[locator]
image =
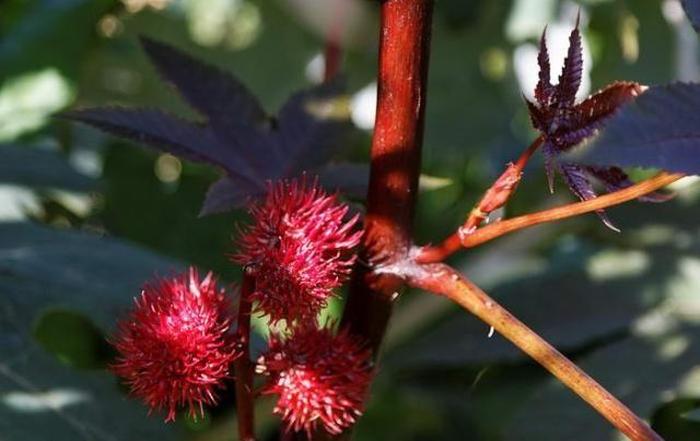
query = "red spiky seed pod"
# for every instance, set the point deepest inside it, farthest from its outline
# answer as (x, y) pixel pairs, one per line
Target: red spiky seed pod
(320, 378)
(175, 346)
(300, 248)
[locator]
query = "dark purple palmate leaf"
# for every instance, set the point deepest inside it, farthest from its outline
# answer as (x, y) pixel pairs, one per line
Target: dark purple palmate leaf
(614, 179)
(236, 134)
(167, 133)
(660, 129)
(228, 192)
(352, 178)
(225, 101)
(564, 124)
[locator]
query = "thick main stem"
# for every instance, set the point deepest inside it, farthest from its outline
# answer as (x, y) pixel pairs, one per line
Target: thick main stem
(243, 367)
(442, 279)
(395, 164)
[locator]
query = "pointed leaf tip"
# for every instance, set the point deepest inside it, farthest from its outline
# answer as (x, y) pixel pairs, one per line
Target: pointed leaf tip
(544, 88)
(214, 93)
(607, 222)
(578, 180)
(550, 164)
(156, 129)
(570, 77)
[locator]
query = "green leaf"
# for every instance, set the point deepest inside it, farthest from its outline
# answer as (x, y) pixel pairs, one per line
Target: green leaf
(24, 46)
(38, 168)
(73, 338)
(42, 268)
(692, 415)
(27, 100)
(41, 399)
(656, 364)
(45, 271)
(37, 76)
(642, 372)
(678, 419)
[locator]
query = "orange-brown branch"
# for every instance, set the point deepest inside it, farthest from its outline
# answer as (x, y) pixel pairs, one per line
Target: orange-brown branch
(498, 229)
(470, 238)
(442, 279)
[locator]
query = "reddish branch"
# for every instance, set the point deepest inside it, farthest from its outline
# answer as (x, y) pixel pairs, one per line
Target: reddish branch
(494, 198)
(553, 214)
(441, 279)
(243, 367)
(332, 56)
(333, 53)
(395, 164)
(471, 238)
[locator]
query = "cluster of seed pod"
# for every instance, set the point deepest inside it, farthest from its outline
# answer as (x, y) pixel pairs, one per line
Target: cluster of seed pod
(177, 345)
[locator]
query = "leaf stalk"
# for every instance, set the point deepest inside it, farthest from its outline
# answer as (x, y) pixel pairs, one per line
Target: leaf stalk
(442, 279)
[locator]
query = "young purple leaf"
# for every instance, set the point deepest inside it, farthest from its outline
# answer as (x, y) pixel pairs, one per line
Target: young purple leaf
(564, 124)
(659, 129)
(537, 117)
(352, 178)
(605, 102)
(550, 164)
(579, 182)
(570, 77)
(614, 179)
(311, 127)
(544, 89)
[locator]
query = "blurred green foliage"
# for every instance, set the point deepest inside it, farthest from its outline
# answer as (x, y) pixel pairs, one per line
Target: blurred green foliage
(85, 218)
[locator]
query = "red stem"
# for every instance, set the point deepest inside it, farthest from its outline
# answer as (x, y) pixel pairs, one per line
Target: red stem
(332, 53)
(395, 164)
(442, 279)
(243, 367)
(332, 57)
(527, 154)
